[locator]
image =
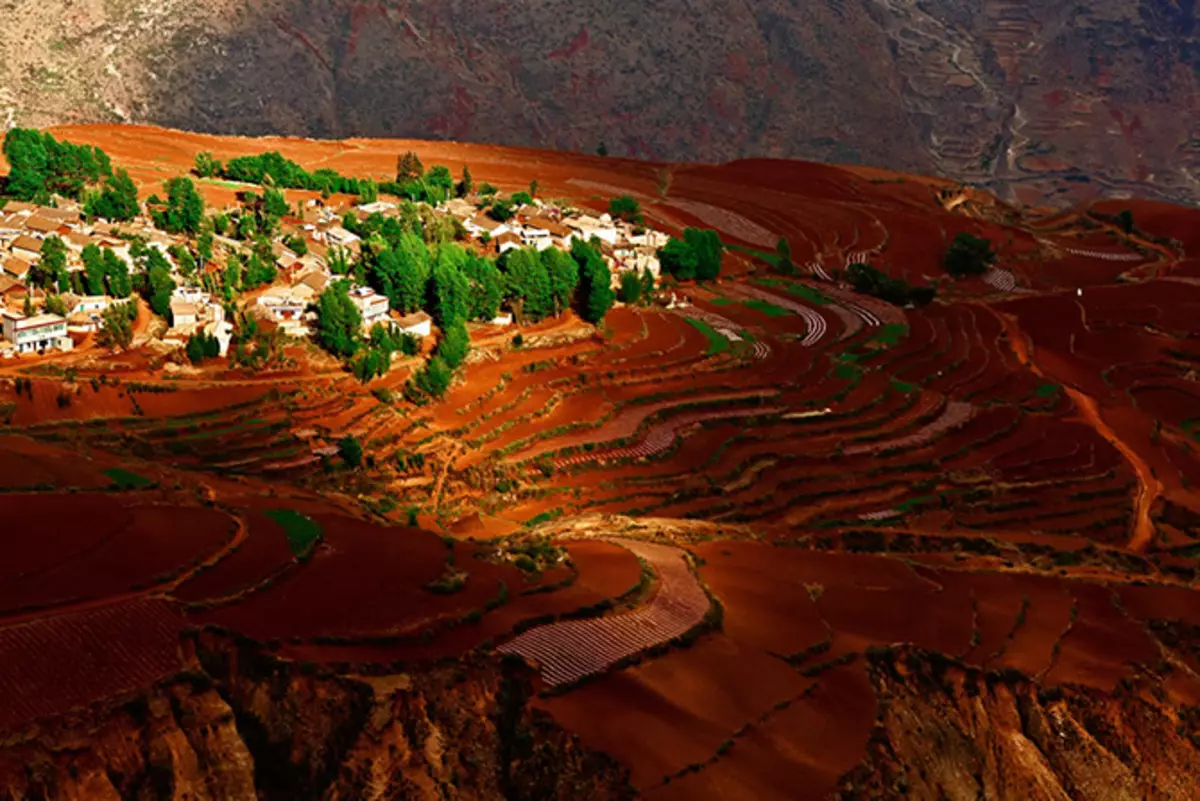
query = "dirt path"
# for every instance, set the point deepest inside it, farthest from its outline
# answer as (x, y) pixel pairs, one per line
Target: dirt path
(1149, 487)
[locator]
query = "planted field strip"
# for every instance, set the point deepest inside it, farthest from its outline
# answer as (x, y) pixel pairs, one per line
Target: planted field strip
(661, 437)
(627, 422)
(1099, 254)
(1000, 279)
(54, 664)
(858, 257)
(955, 414)
(815, 322)
(567, 652)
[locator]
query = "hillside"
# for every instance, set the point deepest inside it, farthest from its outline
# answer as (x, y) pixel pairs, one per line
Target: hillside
(1051, 100)
(765, 537)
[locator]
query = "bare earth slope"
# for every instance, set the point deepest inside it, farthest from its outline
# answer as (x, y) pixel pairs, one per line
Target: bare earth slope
(1020, 96)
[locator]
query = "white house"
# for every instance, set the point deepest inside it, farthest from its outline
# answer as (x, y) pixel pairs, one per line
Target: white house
(282, 304)
(481, 224)
(418, 324)
(192, 306)
(585, 227)
(35, 333)
(338, 236)
(372, 306)
(504, 318)
(27, 248)
(508, 241)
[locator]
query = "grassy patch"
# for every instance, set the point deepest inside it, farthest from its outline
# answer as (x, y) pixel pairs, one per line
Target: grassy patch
(903, 386)
(123, 479)
(1047, 390)
(544, 517)
(763, 255)
(723, 301)
(847, 371)
(220, 432)
(769, 309)
(1192, 428)
(716, 342)
(891, 334)
(799, 290)
(301, 530)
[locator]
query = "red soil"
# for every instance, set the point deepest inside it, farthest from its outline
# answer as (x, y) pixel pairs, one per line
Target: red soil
(264, 552)
(135, 546)
(660, 716)
(53, 664)
(1103, 645)
(799, 752)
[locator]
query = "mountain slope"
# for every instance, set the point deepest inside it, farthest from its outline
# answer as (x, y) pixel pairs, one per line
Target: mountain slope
(991, 91)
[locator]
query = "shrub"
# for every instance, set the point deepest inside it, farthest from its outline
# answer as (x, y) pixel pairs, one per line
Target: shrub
(968, 255)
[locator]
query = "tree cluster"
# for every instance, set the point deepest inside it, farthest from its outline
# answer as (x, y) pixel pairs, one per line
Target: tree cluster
(116, 324)
(697, 256)
(626, 208)
(184, 208)
(968, 255)
(201, 346)
(868, 280)
(105, 273)
(41, 166)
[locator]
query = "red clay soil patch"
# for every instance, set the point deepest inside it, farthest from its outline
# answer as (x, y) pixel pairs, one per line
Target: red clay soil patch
(940, 621)
(151, 545)
(1161, 603)
(798, 753)
(1103, 643)
(56, 663)
(763, 605)
(1031, 647)
(42, 531)
(27, 463)
(365, 580)
(664, 714)
(264, 552)
(997, 601)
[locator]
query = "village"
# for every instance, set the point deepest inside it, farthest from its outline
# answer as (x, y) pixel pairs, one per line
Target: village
(307, 246)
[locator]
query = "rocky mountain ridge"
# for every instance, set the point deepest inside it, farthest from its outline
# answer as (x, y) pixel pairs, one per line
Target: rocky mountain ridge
(1032, 100)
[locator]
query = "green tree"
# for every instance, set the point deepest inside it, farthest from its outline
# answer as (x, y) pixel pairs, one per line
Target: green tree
(206, 166)
(116, 324)
(1125, 220)
(351, 451)
(118, 201)
(626, 208)
(56, 305)
(94, 270)
(484, 288)
(195, 348)
(339, 322)
(368, 192)
(631, 288)
(448, 289)
(51, 269)
(528, 284)
(968, 255)
(159, 286)
(410, 344)
(185, 208)
(116, 275)
(595, 282)
(408, 168)
(431, 381)
(533, 188)
(467, 185)
(709, 250)
(28, 164)
(501, 211)
(455, 345)
(27, 307)
(647, 291)
(274, 204)
(522, 199)
(678, 259)
(563, 274)
(602, 150)
(441, 177)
